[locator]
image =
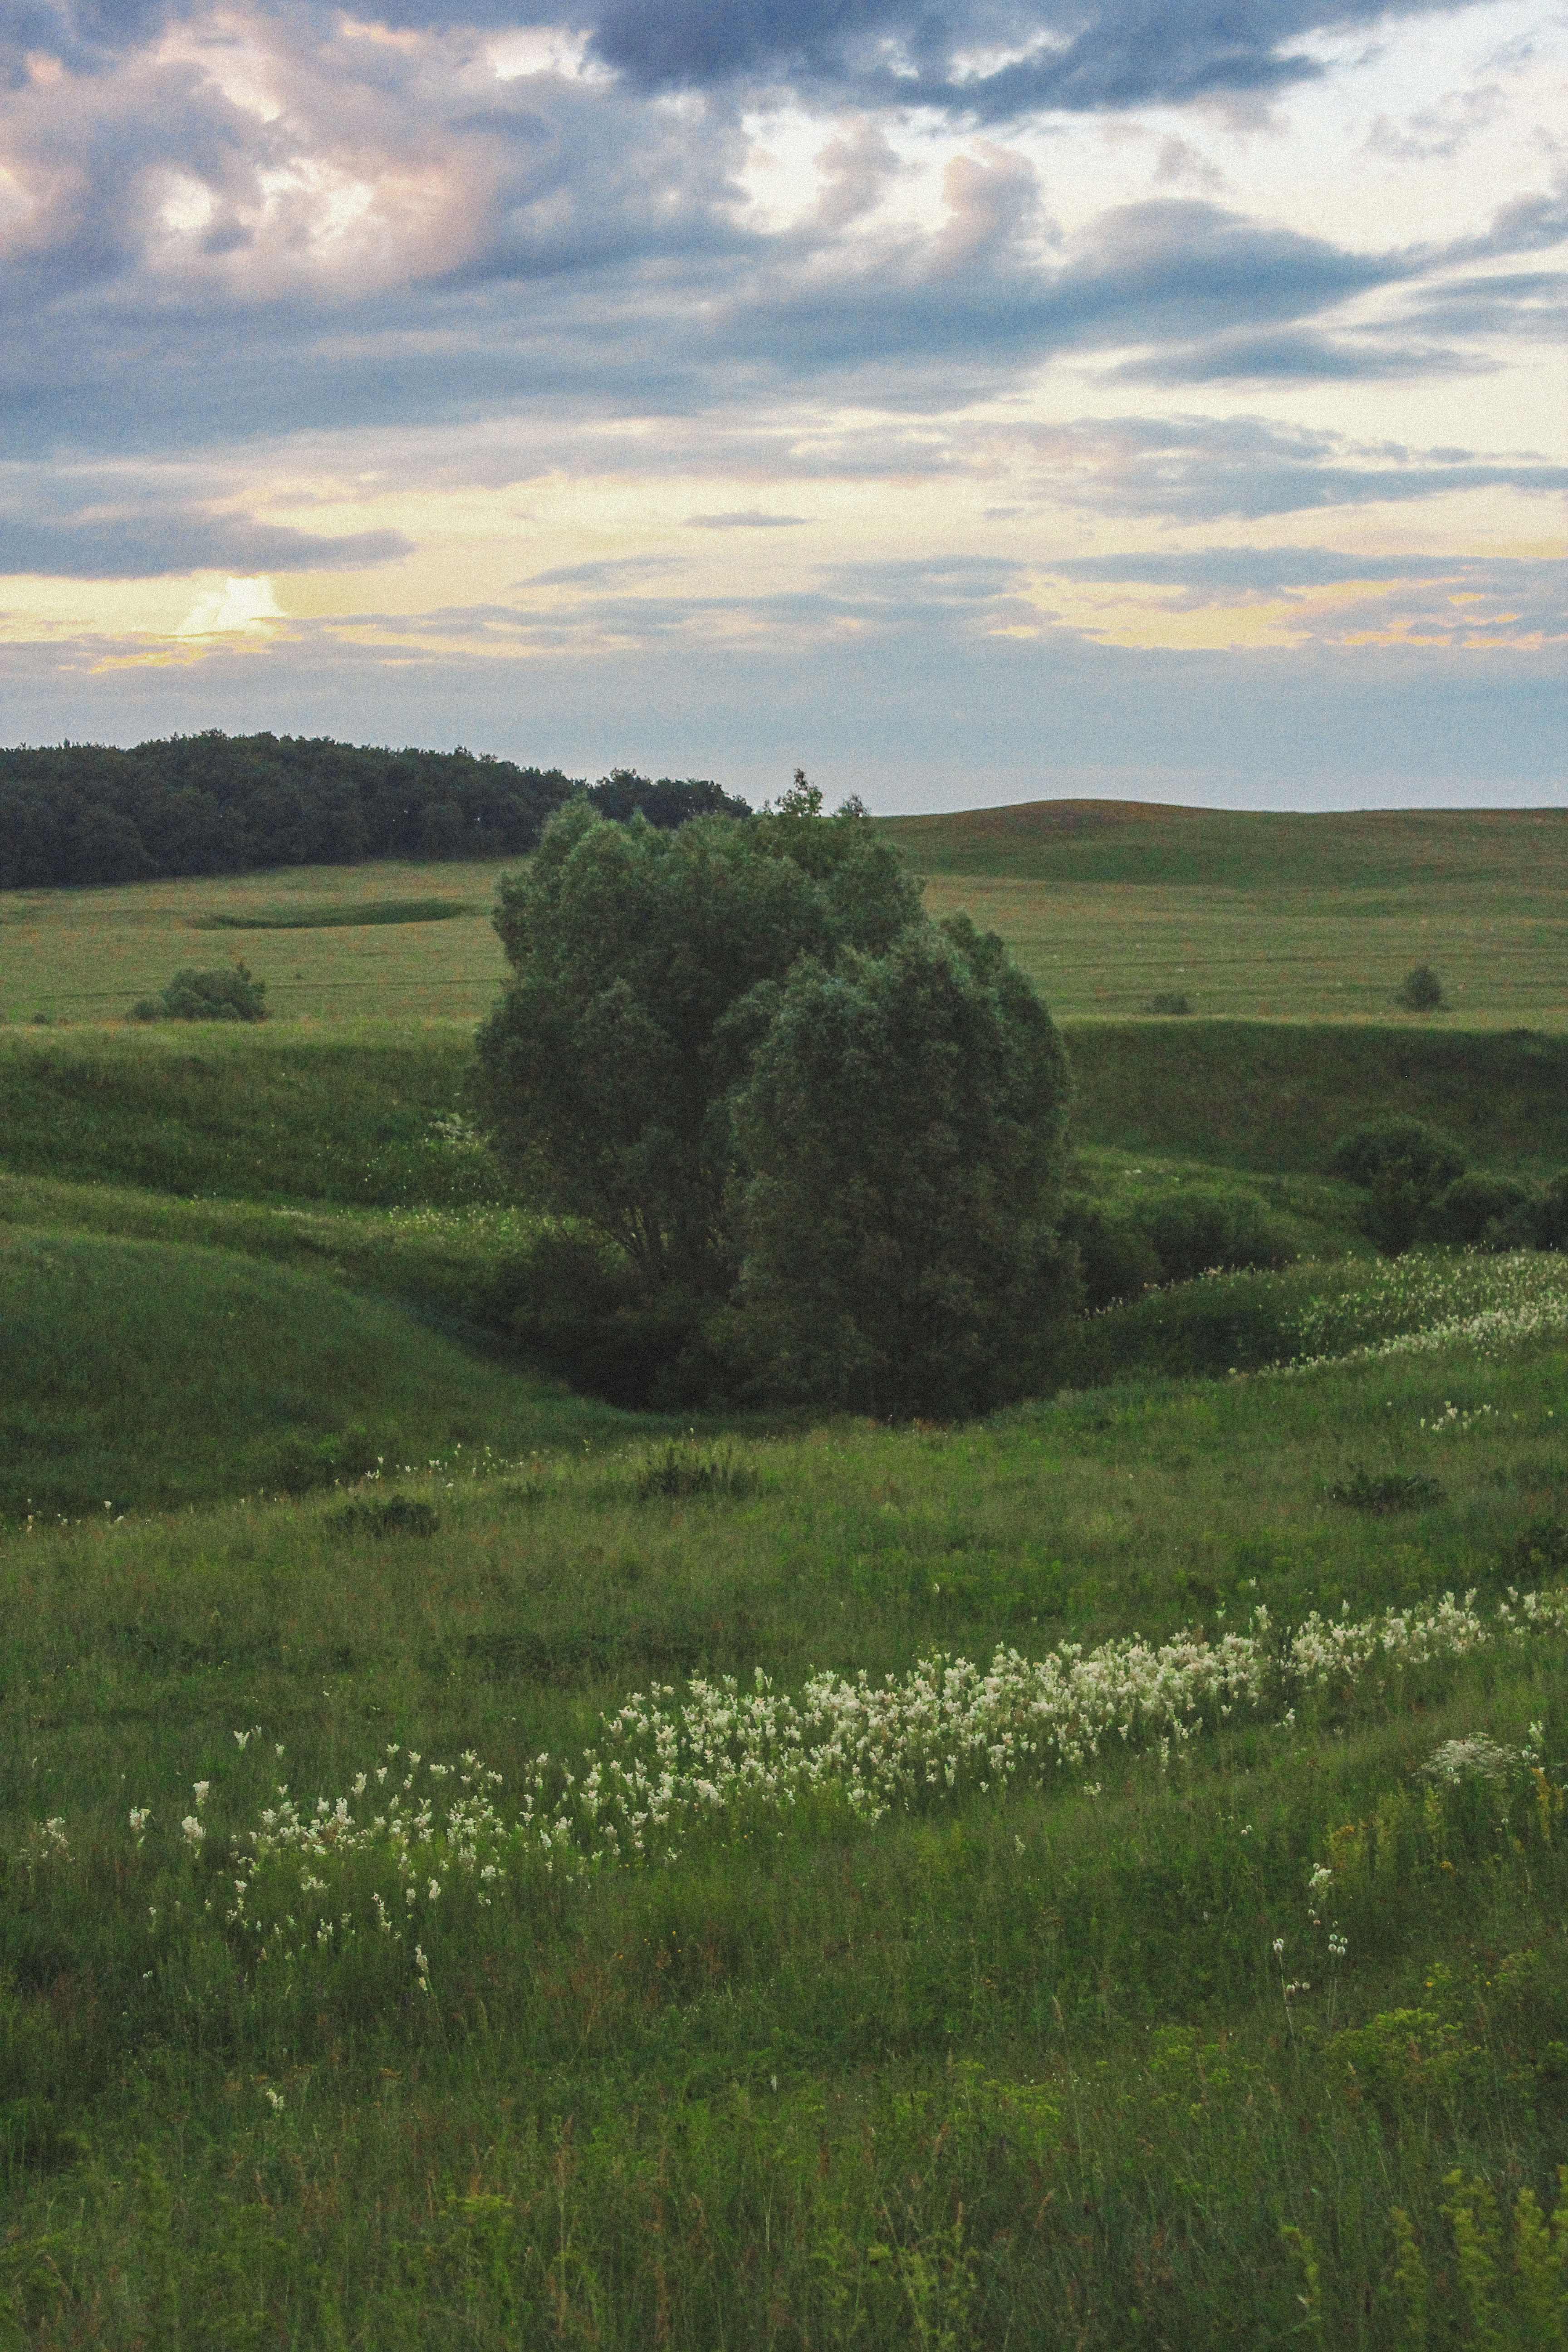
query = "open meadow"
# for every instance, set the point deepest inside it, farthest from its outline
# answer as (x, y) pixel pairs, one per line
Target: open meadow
(484, 1868)
(1104, 904)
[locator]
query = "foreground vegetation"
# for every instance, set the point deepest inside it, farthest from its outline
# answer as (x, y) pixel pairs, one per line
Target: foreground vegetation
(1176, 2040)
(482, 1868)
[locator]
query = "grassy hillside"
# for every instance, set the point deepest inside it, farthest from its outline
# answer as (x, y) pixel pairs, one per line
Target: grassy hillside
(362, 1114)
(960, 2030)
(363, 1117)
(1376, 852)
(1253, 1095)
(87, 955)
(1104, 904)
(1262, 916)
(144, 1374)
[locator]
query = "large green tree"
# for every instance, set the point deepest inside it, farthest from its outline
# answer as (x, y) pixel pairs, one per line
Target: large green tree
(640, 960)
(822, 1138)
(901, 1147)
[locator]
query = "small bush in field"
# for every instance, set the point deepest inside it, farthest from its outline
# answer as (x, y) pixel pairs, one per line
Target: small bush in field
(230, 995)
(1481, 1212)
(685, 1470)
(1194, 1233)
(1420, 990)
(1169, 1000)
(1397, 1490)
(1405, 1165)
(379, 1516)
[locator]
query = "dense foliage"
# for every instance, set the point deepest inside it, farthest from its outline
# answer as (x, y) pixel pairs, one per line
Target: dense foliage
(230, 993)
(216, 803)
(902, 1138)
(1420, 1188)
(726, 1046)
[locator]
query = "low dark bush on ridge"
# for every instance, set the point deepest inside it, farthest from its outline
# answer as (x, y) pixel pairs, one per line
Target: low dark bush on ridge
(229, 994)
(1420, 990)
(1481, 1212)
(1126, 1251)
(1421, 1189)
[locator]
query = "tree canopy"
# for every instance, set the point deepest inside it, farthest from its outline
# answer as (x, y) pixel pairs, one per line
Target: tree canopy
(821, 1138)
(216, 804)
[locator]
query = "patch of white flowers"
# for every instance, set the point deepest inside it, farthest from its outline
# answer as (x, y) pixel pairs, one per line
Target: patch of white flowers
(1419, 1305)
(668, 1761)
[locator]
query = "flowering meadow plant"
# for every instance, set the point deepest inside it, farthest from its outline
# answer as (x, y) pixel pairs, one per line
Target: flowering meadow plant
(411, 1836)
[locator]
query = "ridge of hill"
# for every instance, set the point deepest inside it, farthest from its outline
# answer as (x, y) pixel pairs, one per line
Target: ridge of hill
(1088, 841)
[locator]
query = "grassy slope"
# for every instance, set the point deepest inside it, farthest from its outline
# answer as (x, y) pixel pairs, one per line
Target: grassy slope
(1104, 904)
(1003, 2070)
(147, 1374)
(1373, 852)
(290, 1114)
(995, 2061)
(1276, 918)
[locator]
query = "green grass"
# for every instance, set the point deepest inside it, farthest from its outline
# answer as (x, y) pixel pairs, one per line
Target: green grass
(331, 943)
(1276, 1097)
(1394, 853)
(992, 2067)
(1107, 904)
(368, 1116)
(363, 1114)
(141, 1374)
(1016, 2063)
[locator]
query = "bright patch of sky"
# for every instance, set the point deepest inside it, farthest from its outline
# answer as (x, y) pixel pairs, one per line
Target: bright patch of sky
(850, 382)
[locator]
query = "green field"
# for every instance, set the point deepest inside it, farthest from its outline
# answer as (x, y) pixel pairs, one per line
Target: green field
(478, 1869)
(1106, 905)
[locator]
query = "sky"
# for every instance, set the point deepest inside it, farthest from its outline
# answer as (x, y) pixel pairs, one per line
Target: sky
(969, 401)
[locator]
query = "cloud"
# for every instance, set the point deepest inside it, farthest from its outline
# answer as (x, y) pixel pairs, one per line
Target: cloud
(1210, 469)
(746, 518)
(1299, 355)
(113, 541)
(239, 608)
(988, 61)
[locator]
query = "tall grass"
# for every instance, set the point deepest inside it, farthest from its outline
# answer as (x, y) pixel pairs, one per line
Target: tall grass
(1217, 2043)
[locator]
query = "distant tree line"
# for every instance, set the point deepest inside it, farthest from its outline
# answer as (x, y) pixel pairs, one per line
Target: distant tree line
(216, 804)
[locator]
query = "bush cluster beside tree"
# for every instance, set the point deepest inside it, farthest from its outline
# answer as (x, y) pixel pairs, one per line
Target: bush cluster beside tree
(1420, 1187)
(800, 1141)
(227, 994)
(215, 804)
(1147, 1245)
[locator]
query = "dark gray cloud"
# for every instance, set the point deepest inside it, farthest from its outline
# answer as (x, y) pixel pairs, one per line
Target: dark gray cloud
(1064, 55)
(1299, 355)
(987, 60)
(1200, 469)
(146, 542)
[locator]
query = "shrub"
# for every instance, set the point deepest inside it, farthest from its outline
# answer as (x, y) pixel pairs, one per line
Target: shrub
(1169, 1000)
(1396, 1490)
(1551, 1216)
(1116, 1258)
(1420, 990)
(583, 1311)
(1406, 1166)
(1197, 1232)
(230, 995)
(1481, 1212)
